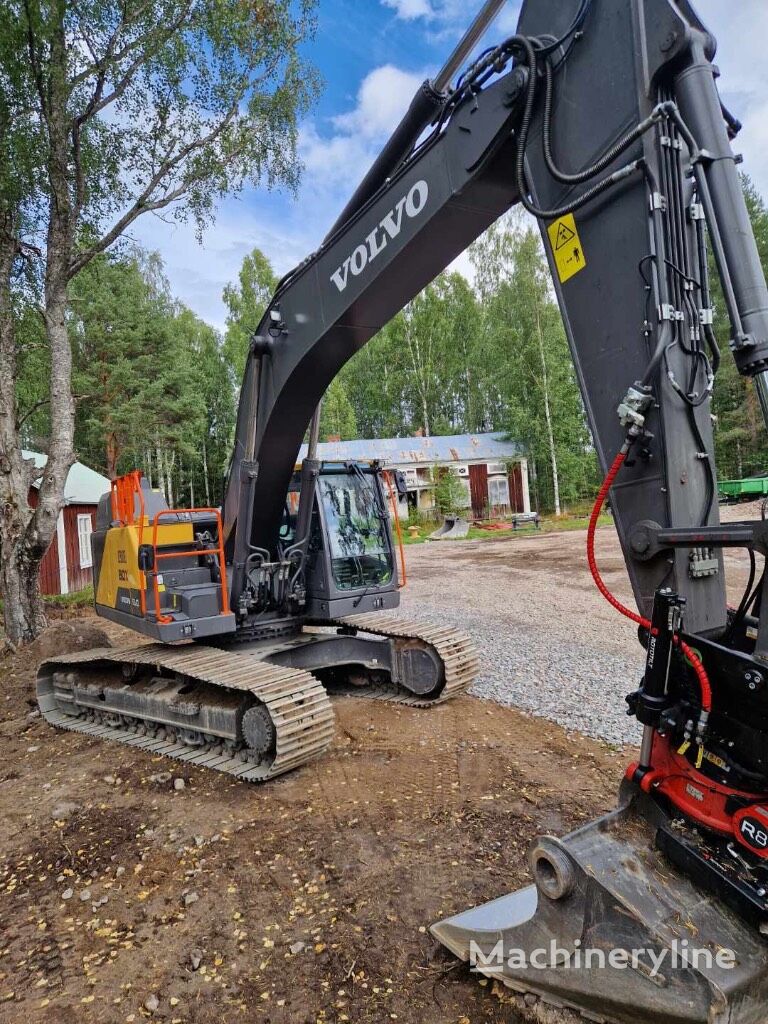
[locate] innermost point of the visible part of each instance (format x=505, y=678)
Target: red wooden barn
x=68, y=563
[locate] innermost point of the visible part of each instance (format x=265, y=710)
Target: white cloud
x=381, y=101
x=741, y=30
x=408, y=10
x=340, y=159
x=198, y=272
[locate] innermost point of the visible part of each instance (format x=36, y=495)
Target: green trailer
x=744, y=490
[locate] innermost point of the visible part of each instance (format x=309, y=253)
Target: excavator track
x=297, y=705
x=454, y=648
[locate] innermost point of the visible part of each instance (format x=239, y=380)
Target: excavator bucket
x=453, y=528
x=611, y=929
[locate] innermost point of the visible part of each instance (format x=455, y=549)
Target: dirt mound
x=65, y=638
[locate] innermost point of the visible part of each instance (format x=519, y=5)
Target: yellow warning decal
x=566, y=247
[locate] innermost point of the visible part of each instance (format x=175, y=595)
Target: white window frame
x=495, y=483
x=84, y=540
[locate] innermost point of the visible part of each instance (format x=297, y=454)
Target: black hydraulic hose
x=710, y=492
x=741, y=611
x=718, y=248
x=529, y=52
x=706, y=295
x=574, y=27
x=600, y=165
x=658, y=260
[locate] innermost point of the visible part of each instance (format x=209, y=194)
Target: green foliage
x=417, y=373
x=140, y=105
x=246, y=302
x=337, y=417
x=153, y=381
x=450, y=493
x=530, y=378
x=459, y=360
x=741, y=441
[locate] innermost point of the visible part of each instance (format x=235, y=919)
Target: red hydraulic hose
x=693, y=658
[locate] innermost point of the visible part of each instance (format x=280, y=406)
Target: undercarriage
x=258, y=708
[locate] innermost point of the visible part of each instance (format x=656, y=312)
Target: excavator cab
x=351, y=554
x=164, y=572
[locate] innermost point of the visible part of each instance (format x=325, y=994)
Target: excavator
x=602, y=119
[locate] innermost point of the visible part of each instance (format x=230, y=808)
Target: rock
x=68, y=894
x=196, y=958
x=85, y=895
x=190, y=898
x=31, y=750
x=64, y=810
x=152, y=1003
x=109, y=779
x=199, y=840
x=297, y=947
x=120, y=871
x=179, y=784
x=161, y=777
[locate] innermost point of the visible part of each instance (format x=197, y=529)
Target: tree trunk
x=25, y=535
x=160, y=470
x=425, y=413
x=112, y=455
x=205, y=476
x=169, y=463
x=23, y=611
x=548, y=415
x=23, y=604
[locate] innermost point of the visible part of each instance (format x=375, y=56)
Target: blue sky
x=372, y=54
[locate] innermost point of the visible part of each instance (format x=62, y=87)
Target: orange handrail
x=124, y=490
x=398, y=530
x=218, y=551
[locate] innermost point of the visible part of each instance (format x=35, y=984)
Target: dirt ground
x=123, y=898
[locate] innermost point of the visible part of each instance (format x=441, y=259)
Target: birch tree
x=109, y=112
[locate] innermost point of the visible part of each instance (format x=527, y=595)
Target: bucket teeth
x=612, y=930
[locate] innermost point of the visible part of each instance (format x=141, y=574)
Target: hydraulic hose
x=693, y=658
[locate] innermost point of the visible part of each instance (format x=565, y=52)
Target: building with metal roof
x=493, y=468
x=68, y=562
x=414, y=451
x=84, y=485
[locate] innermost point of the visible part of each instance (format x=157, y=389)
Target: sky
x=372, y=55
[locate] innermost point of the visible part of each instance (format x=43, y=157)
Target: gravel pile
x=549, y=644
x=549, y=675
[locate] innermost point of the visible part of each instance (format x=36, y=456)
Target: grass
x=548, y=525
x=79, y=599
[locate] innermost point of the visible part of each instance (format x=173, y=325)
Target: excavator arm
x=629, y=269
x=602, y=119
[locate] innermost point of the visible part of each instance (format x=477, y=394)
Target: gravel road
x=549, y=642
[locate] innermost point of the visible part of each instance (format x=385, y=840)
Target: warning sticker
x=566, y=247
